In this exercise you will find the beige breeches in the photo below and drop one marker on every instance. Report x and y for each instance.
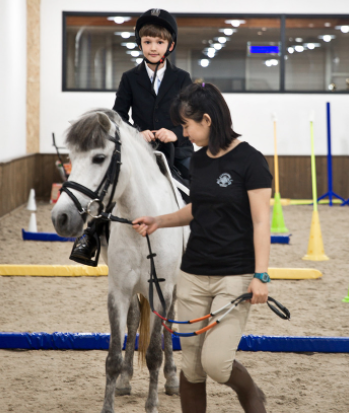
(211, 353)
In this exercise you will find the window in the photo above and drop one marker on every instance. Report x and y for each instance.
(317, 54)
(237, 53)
(98, 49)
(233, 53)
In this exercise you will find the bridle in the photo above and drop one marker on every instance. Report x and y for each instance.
(111, 177)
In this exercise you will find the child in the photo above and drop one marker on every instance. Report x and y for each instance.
(228, 249)
(149, 90)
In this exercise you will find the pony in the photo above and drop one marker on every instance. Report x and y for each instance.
(143, 188)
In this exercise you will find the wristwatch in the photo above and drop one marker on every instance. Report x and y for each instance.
(263, 276)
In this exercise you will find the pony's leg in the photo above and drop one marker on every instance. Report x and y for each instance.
(118, 306)
(154, 359)
(170, 369)
(123, 386)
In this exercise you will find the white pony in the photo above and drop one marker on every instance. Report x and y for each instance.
(142, 189)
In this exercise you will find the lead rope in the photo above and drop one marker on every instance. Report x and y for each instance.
(278, 309)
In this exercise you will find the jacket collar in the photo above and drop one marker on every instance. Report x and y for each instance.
(167, 81)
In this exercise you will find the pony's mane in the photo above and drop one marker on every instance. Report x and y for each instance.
(86, 133)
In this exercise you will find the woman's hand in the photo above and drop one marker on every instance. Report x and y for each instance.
(259, 291)
(146, 225)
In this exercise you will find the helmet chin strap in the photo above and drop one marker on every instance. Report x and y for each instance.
(162, 59)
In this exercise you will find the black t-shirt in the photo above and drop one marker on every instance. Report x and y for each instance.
(221, 238)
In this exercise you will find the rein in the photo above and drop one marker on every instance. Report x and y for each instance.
(111, 178)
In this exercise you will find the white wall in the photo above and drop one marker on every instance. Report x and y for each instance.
(12, 79)
(251, 112)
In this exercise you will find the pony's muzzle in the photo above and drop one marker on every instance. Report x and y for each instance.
(67, 223)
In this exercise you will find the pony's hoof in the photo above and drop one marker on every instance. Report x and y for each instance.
(172, 390)
(123, 391)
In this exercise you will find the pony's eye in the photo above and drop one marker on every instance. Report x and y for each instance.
(99, 159)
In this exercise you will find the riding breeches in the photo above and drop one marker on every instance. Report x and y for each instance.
(211, 353)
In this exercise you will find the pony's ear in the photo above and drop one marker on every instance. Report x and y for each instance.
(104, 121)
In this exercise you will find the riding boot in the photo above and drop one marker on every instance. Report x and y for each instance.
(193, 395)
(250, 396)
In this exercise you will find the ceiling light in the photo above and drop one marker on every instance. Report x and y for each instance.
(119, 19)
(130, 45)
(290, 50)
(343, 29)
(222, 39)
(327, 37)
(299, 48)
(235, 23)
(271, 62)
(327, 24)
(124, 35)
(135, 53)
(217, 46)
(204, 62)
(228, 32)
(139, 60)
(211, 51)
(298, 39)
(311, 46)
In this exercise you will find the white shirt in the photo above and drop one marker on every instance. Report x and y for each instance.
(159, 76)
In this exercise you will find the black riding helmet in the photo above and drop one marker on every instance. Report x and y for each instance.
(162, 18)
(158, 17)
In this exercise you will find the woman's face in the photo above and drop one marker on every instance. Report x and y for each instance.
(197, 132)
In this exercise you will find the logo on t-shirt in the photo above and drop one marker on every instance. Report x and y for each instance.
(224, 180)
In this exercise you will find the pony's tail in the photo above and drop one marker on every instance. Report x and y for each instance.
(144, 328)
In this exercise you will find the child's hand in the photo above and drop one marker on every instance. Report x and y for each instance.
(165, 135)
(148, 135)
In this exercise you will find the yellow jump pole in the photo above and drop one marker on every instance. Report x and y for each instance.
(277, 222)
(315, 246)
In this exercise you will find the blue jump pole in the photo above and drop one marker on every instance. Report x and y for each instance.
(330, 194)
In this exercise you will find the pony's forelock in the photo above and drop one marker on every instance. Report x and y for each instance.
(86, 133)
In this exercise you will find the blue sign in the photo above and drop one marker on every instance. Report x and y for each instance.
(264, 49)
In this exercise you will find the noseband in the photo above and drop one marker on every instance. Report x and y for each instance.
(111, 177)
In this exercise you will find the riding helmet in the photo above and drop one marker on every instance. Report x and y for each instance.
(158, 17)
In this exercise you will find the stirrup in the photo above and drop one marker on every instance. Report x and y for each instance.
(93, 262)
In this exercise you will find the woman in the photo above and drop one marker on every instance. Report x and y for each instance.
(228, 249)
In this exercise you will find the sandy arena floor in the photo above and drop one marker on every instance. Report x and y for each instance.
(69, 382)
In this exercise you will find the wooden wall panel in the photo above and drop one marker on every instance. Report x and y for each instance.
(39, 172)
(295, 176)
(17, 177)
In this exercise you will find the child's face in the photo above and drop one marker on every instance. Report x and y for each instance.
(154, 48)
(197, 132)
